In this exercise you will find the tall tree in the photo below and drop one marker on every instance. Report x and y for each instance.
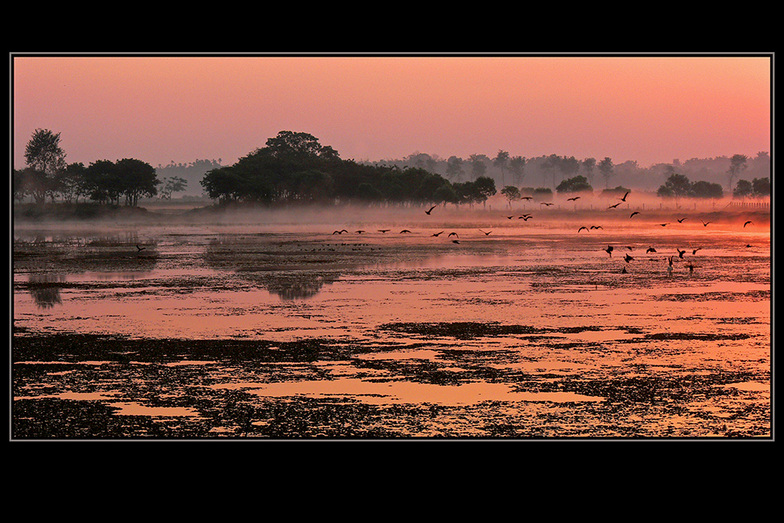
(517, 167)
(737, 165)
(501, 161)
(45, 159)
(606, 167)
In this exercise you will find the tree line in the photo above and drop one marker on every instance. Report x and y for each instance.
(48, 176)
(294, 167)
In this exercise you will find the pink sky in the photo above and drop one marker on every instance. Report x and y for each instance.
(160, 109)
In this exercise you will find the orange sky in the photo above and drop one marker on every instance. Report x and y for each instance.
(160, 109)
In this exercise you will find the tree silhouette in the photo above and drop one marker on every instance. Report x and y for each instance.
(606, 168)
(501, 161)
(737, 165)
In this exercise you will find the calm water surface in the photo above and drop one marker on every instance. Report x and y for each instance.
(526, 331)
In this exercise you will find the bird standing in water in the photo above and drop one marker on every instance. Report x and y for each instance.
(609, 250)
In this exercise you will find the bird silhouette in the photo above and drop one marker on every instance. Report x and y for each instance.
(635, 212)
(340, 231)
(452, 234)
(625, 195)
(581, 228)
(614, 205)
(596, 227)
(705, 224)
(628, 258)
(360, 231)
(509, 217)
(383, 230)
(664, 224)
(455, 241)
(680, 252)
(650, 249)
(545, 203)
(139, 249)
(405, 231)
(609, 250)
(669, 267)
(525, 217)
(526, 197)
(431, 210)
(437, 233)
(748, 222)
(485, 233)
(691, 268)
(572, 198)
(680, 220)
(694, 251)
(624, 271)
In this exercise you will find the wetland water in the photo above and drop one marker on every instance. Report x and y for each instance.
(290, 331)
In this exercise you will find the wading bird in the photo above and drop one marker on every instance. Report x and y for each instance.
(623, 271)
(748, 222)
(609, 250)
(635, 212)
(431, 210)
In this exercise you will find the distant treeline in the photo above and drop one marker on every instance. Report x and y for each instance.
(295, 168)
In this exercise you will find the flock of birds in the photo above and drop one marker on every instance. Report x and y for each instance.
(609, 250)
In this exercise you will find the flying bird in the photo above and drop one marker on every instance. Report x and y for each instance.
(705, 224)
(625, 195)
(614, 206)
(485, 233)
(509, 217)
(437, 233)
(664, 224)
(545, 203)
(431, 209)
(669, 267)
(405, 230)
(360, 231)
(572, 198)
(609, 250)
(680, 220)
(596, 227)
(632, 214)
(139, 249)
(526, 197)
(680, 252)
(694, 251)
(628, 258)
(581, 228)
(455, 241)
(383, 230)
(650, 249)
(525, 217)
(748, 222)
(452, 234)
(340, 231)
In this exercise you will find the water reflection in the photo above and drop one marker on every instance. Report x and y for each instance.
(45, 289)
